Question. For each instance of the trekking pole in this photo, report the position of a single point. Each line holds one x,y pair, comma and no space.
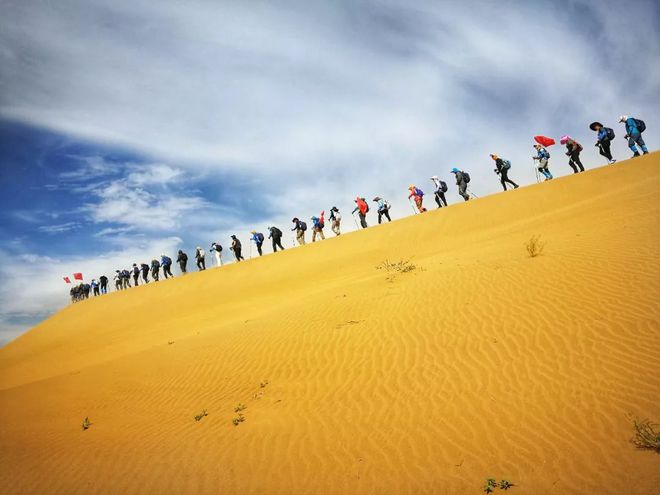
412,205
536,170
355,220
471,193
250,249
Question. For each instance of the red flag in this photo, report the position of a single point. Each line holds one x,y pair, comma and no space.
544,140
77,276
67,280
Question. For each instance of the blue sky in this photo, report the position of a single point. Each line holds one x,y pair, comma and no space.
132,128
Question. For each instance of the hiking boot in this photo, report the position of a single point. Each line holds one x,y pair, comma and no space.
645,153
612,161
635,154
516,186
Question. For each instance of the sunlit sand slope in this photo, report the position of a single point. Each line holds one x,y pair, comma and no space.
480,362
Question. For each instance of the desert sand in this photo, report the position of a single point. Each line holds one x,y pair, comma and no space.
480,362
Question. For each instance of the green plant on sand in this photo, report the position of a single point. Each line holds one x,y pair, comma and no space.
86,424
198,417
646,437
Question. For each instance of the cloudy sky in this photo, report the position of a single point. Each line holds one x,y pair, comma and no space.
129,128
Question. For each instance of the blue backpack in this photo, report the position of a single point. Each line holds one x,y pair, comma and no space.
260,237
419,192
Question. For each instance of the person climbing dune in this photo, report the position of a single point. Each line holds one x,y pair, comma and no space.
604,138
258,239
362,208
462,181
335,220
276,235
299,227
573,150
418,196
318,224
634,129
543,157
383,209
237,247
440,189
502,168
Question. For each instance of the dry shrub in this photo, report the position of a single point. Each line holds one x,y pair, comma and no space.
534,246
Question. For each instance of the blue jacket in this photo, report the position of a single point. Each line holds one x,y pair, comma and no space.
165,261
602,135
631,127
543,153
257,237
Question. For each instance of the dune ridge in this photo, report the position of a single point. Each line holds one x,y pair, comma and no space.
480,362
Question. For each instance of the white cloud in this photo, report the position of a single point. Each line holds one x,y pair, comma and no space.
59,228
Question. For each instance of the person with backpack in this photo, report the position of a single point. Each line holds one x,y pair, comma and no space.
362,208
136,274
418,195
573,150
155,269
299,227
126,279
166,263
216,249
383,209
440,189
634,129
462,180
95,287
182,260
276,235
543,157
236,247
502,168
118,281
604,139
103,282
258,239
318,224
86,290
145,272
335,220
200,258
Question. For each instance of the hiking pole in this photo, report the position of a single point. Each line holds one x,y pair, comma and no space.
250,250
471,193
536,170
355,220
412,205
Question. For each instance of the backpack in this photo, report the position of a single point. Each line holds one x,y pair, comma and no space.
466,177
167,260
507,164
640,124
303,226
184,257
144,266
275,232
609,133
260,238
443,186
367,206
387,205
321,223
419,192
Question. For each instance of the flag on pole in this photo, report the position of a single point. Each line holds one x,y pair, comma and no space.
78,276
544,140
67,280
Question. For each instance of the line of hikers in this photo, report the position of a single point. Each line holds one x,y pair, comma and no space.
604,136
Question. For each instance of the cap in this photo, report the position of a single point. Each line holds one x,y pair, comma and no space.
623,118
434,177
454,170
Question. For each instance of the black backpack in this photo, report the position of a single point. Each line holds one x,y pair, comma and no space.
275,232
609,133
641,126
218,247
443,186
184,257
260,237
303,226
466,177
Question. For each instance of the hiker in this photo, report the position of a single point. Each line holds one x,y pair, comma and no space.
604,140
418,195
318,224
362,209
95,287
136,274
300,227
462,180
276,235
236,247
166,263
258,239
543,156
86,290
182,260
155,268
335,220
103,280
126,279
634,129
502,168
216,249
145,272
573,150
383,209
117,279
440,189
200,257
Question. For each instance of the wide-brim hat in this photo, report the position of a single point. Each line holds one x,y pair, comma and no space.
593,125
377,198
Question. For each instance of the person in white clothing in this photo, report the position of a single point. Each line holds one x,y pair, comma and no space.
216,249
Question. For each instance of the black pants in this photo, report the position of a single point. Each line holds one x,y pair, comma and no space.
385,213
504,178
104,288
154,274
277,242
237,253
145,276
167,271
604,147
259,244
182,265
96,291
136,277
574,162
363,220
440,199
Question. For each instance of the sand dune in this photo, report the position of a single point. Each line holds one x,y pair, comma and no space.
480,362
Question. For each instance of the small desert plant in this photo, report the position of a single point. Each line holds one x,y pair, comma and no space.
198,417
505,484
86,424
401,266
534,246
240,407
490,485
238,419
263,384
645,435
